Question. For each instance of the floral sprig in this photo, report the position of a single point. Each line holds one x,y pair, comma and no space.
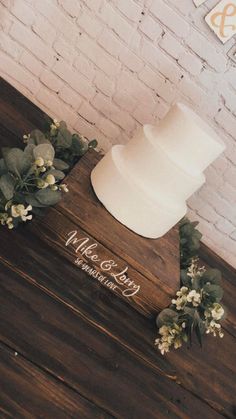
197,306
30,179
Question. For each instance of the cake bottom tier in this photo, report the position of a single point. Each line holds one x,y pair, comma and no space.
118,191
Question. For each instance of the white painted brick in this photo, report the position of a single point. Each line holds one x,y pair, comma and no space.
96,54
124,101
202,47
90,24
74,79
44,30
23,12
170,18
227,121
171,46
151,28
93,4
31,41
51,81
57,18
230,176
116,22
108,128
110,110
160,61
144,115
85,66
209,79
130,9
213,177
11,47
51,101
191,90
129,82
110,42
184,6
11,68
228,193
158,83
104,83
89,113
191,63
233,235
70,97
225,226
131,60
72,7
161,109
64,49
31,63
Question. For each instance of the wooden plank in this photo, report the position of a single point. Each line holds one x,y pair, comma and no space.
28,392
144,272
150,299
68,346
40,265
153,258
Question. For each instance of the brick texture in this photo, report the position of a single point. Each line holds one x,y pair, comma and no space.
107,66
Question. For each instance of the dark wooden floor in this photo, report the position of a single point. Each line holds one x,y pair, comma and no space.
71,349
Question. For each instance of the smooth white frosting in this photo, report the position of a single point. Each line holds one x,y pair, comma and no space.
123,198
145,183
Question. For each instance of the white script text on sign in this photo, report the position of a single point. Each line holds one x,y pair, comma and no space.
222,20
106,272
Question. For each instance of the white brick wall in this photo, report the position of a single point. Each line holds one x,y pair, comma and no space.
107,66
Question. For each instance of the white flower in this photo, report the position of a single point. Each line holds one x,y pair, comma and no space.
64,188
54,187
39,161
50,180
194,297
9,223
182,298
217,312
21,211
214,328
49,163
42,184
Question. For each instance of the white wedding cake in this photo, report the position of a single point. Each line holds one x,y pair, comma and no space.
145,183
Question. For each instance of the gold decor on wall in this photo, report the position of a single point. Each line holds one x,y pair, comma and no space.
222,20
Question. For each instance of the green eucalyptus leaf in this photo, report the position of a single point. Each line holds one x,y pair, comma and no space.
63,138
93,144
48,197
167,316
46,151
212,275
37,137
79,146
14,161
58,174
60,164
3,168
7,185
215,292
32,200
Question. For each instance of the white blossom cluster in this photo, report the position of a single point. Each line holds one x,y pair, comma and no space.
172,335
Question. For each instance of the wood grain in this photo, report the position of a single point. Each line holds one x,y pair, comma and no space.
75,334
27,392
73,350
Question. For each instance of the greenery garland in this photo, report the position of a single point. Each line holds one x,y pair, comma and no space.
30,182
30,178
196,308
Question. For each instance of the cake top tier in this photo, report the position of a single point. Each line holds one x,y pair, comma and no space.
187,139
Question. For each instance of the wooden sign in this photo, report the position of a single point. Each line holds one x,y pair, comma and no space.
198,2
143,272
222,19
